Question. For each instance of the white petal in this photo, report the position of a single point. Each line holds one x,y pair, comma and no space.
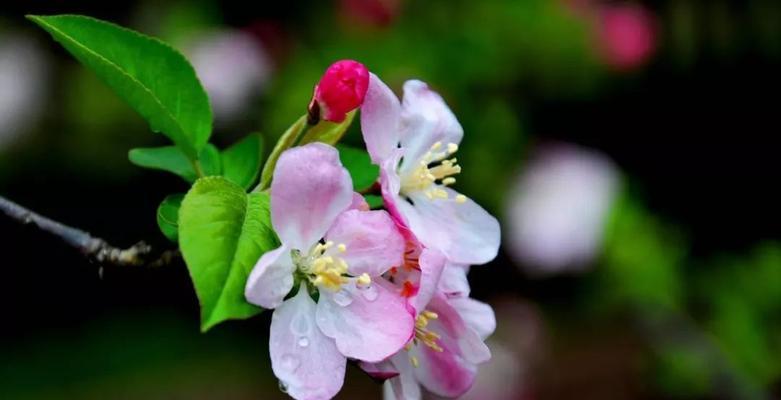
271,279
426,119
306,362
380,120
464,232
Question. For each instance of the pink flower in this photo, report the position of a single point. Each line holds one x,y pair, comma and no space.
413,143
627,34
341,90
354,317
448,343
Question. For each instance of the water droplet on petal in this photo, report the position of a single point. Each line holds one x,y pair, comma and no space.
303,341
300,325
290,362
369,293
343,298
283,386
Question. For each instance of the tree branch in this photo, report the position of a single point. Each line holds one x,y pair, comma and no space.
96,249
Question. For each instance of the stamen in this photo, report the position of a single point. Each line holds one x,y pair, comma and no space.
423,177
423,334
461,199
341,247
364,280
414,361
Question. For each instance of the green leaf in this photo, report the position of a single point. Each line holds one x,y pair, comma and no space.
152,77
287,140
171,159
223,231
211,161
374,201
241,162
328,132
168,216
166,158
358,163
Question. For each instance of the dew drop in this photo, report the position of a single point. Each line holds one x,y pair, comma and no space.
283,386
303,341
290,362
369,293
300,325
343,298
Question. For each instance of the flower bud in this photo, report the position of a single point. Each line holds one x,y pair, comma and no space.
341,90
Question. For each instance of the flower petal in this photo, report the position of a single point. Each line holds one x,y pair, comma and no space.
373,244
405,386
305,361
310,188
367,324
380,120
477,315
426,119
359,203
432,264
271,279
382,370
454,283
464,232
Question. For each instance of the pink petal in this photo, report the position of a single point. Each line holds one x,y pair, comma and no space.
380,120
477,315
464,232
310,188
382,370
271,279
367,324
373,244
359,203
426,120
303,359
432,264
454,283
405,386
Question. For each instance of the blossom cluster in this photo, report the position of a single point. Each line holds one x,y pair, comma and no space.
385,288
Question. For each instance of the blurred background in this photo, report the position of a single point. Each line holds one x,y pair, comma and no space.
627,147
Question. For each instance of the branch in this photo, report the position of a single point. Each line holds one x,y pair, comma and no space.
96,249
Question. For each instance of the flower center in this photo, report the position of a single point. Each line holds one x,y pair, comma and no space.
434,169
328,271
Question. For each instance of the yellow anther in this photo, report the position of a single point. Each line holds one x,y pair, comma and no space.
430,314
341,247
325,270
432,166
414,361
460,199
423,334
364,280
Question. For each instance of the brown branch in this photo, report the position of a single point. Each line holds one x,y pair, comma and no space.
94,248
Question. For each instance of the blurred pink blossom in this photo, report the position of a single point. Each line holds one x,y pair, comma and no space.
233,68
370,12
627,34
558,208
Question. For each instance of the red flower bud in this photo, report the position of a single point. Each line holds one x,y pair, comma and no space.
341,90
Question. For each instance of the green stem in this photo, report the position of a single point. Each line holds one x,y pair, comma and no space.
198,169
